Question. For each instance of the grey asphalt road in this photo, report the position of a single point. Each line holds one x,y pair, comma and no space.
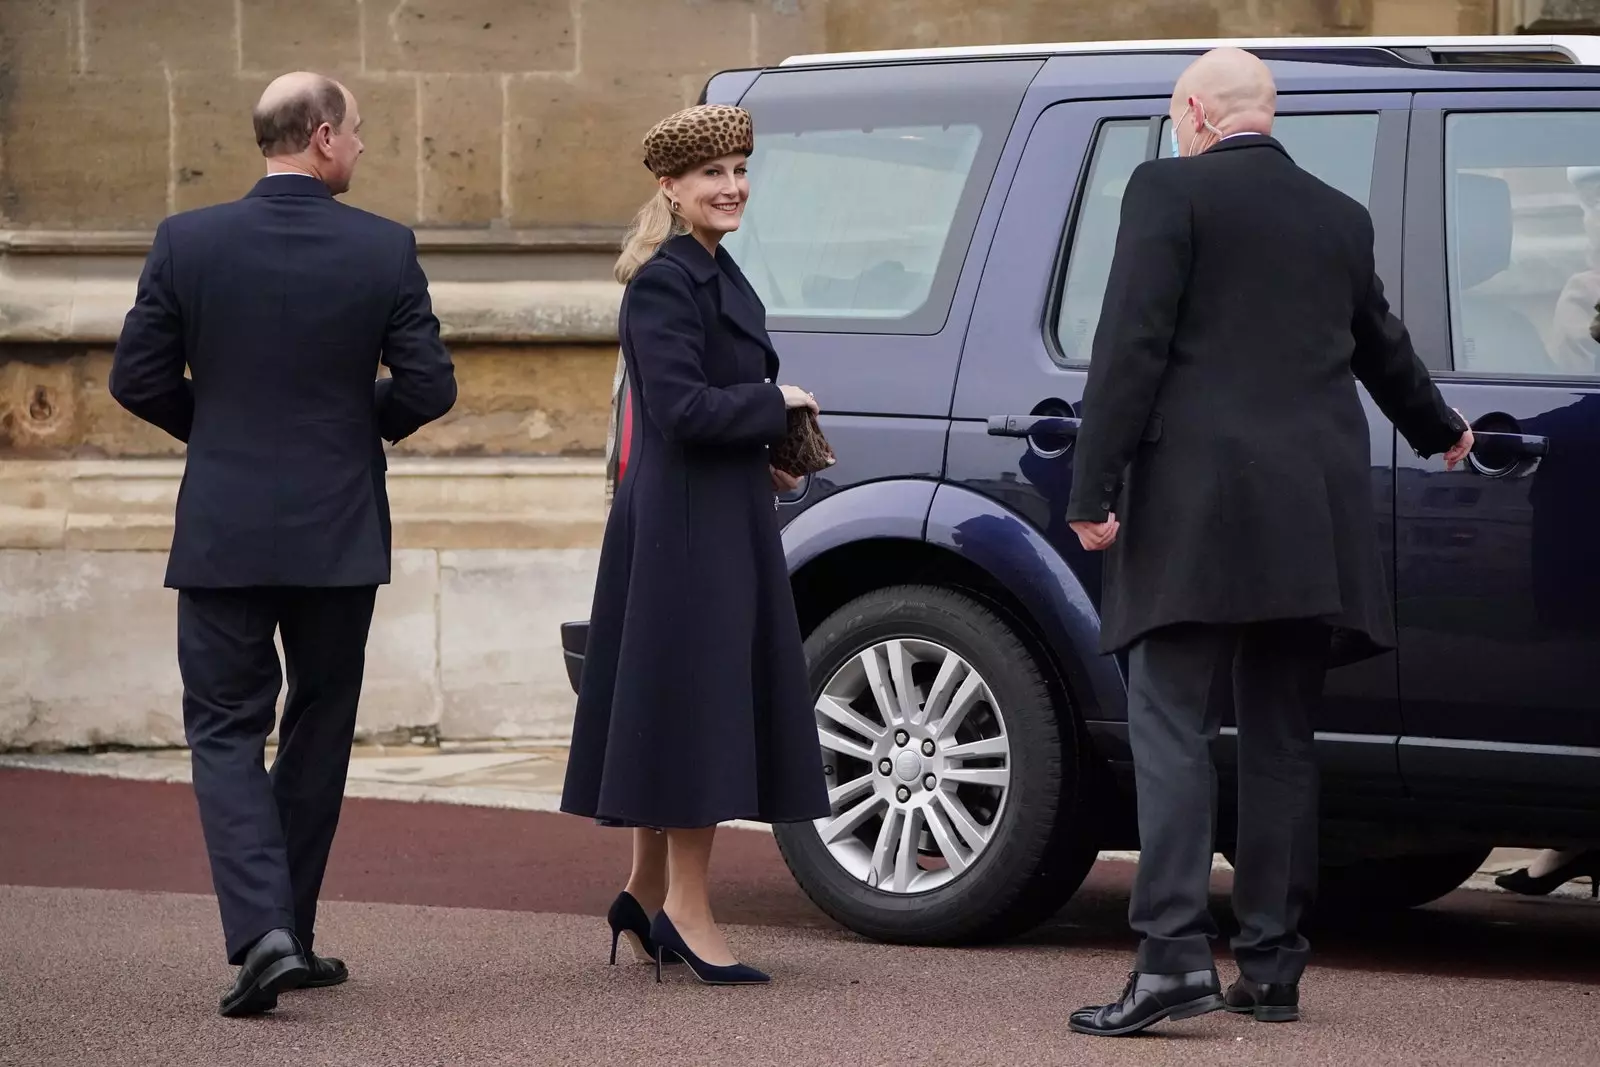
474,937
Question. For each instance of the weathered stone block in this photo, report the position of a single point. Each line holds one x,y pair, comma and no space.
277,36
86,152
141,36
515,402
90,650
470,36
875,24
461,140
215,153
785,28
626,41
108,430
575,156
400,689
501,668
1398,17
38,406
386,178
40,37
1297,18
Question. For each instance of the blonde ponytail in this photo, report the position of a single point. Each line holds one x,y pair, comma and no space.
652,227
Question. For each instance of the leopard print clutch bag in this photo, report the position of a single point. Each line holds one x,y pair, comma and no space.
804,451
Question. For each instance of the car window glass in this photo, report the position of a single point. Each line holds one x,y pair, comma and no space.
865,189
1522,237
852,223
1339,149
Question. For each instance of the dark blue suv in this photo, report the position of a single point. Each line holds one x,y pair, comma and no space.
931,233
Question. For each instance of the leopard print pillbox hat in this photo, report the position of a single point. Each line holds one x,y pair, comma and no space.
696,134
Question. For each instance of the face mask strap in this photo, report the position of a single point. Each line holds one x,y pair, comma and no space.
1204,121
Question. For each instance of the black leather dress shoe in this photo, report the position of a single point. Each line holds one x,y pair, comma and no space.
1269,1002
1148,999
273,964
324,971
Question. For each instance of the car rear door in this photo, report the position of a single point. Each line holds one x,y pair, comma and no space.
1033,325
1499,562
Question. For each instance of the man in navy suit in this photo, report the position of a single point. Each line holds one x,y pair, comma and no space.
281,305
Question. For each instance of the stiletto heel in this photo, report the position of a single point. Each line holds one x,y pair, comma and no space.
667,939
627,916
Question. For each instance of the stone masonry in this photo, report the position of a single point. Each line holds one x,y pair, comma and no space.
506,132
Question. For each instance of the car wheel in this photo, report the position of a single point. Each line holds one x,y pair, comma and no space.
954,782
1391,883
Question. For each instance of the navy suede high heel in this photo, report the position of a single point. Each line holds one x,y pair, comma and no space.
669,943
627,916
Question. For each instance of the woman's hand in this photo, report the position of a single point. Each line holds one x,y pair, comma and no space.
783,481
796,397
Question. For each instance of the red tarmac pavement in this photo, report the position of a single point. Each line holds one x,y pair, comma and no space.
473,937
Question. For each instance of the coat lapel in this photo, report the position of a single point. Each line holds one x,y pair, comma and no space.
741,306
736,301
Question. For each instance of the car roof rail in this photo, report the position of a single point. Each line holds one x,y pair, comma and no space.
1422,50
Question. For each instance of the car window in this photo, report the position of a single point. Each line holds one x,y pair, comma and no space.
852,224
865,190
1339,149
1522,235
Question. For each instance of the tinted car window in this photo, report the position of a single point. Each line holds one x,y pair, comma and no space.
1339,149
865,188
1522,231
851,224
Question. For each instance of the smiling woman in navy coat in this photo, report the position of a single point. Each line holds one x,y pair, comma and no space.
694,706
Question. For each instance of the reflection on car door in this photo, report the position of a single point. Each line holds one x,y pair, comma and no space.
1498,565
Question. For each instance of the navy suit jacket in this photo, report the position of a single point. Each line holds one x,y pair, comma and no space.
282,305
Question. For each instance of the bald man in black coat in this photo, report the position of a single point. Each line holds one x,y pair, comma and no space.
1224,462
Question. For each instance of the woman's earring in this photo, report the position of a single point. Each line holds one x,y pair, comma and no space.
674,205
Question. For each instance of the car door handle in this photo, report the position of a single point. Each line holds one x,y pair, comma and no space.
1033,426
1524,445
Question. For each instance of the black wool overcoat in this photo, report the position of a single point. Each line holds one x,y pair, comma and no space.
1221,420
694,707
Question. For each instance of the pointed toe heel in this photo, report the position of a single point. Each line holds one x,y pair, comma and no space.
668,942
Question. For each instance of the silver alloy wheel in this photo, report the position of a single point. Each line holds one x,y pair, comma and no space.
918,763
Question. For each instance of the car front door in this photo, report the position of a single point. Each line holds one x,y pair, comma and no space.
1033,325
1499,562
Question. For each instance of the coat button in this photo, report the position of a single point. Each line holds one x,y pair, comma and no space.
1105,505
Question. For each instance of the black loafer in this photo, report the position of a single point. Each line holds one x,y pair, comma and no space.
273,964
1149,999
1269,1002
324,971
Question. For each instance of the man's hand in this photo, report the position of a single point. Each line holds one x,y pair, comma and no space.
1097,536
783,481
1459,450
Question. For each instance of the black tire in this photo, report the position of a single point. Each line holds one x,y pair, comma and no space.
1043,848
1391,883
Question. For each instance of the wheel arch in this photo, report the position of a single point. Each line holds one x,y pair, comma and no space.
919,532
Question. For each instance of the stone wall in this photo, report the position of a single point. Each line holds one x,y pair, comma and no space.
511,113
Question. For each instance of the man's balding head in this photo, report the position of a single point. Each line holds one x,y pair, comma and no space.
308,123
1225,91
291,109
